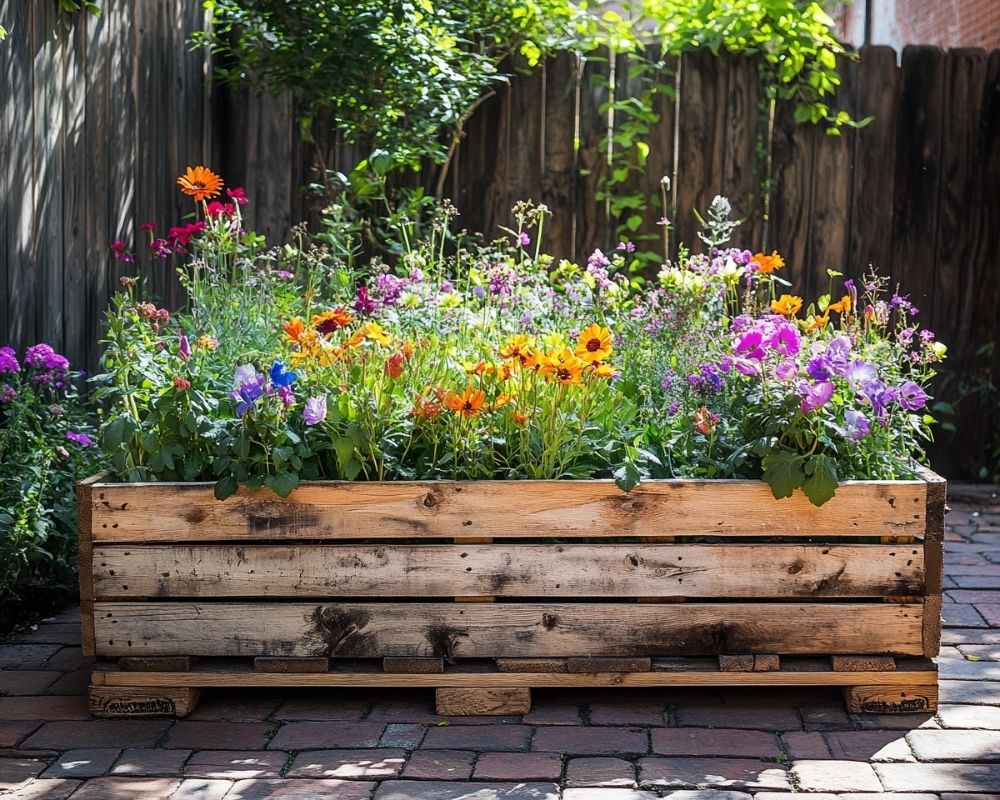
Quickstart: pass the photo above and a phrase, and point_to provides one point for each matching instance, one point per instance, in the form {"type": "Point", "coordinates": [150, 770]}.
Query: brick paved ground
{"type": "Point", "coordinates": [595, 745]}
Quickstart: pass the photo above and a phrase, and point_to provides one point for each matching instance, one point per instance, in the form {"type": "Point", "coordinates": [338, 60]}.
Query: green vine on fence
{"type": "Point", "coordinates": [797, 50]}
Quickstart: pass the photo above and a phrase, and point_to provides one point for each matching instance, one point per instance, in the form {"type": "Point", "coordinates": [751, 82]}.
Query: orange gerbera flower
{"type": "Point", "coordinates": [501, 401]}
{"type": "Point", "coordinates": [563, 367]}
{"type": "Point", "coordinates": [520, 418]}
{"type": "Point", "coordinates": [200, 183]}
{"type": "Point", "coordinates": [479, 368]}
{"type": "Point", "coordinates": [843, 306]}
{"type": "Point", "coordinates": [294, 329]}
{"type": "Point", "coordinates": [332, 320]}
{"type": "Point", "coordinates": [469, 403]}
{"type": "Point", "coordinates": [788, 305]}
{"type": "Point", "coordinates": [594, 343]}
{"type": "Point", "coordinates": [767, 264]}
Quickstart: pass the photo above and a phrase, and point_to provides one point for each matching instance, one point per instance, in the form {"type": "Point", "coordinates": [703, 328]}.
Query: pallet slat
{"type": "Point", "coordinates": [189, 512]}
{"type": "Point", "coordinates": [508, 570]}
{"type": "Point", "coordinates": [512, 679]}
{"type": "Point", "coordinates": [482, 630]}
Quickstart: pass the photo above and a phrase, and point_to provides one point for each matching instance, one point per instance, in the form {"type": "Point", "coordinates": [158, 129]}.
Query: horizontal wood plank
{"type": "Point", "coordinates": [507, 570]}
{"type": "Point", "coordinates": [161, 512]}
{"type": "Point", "coordinates": [487, 630]}
{"type": "Point", "coordinates": [502, 679]}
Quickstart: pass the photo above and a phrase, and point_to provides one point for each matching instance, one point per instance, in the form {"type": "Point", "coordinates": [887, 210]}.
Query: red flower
{"type": "Point", "coordinates": [394, 365]}
{"type": "Point", "coordinates": [237, 194]}
{"type": "Point", "coordinates": [180, 384]}
{"type": "Point", "coordinates": [181, 235]}
{"type": "Point", "coordinates": [215, 208]}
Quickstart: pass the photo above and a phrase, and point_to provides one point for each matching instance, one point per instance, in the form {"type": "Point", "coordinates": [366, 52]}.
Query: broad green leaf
{"type": "Point", "coordinates": [820, 484]}
{"type": "Point", "coordinates": [783, 472]}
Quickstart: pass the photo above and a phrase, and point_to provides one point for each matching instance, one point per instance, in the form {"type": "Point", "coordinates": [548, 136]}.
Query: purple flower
{"type": "Point", "coordinates": [523, 239]}
{"type": "Point", "coordinates": [672, 408]}
{"type": "Point", "coordinates": [787, 370]}
{"type": "Point", "coordinates": [42, 356]}
{"type": "Point", "coordinates": [363, 302]}
{"type": "Point", "coordinates": [284, 274]}
{"type": "Point", "coordinates": [8, 360]}
{"type": "Point", "coordinates": [184, 348]}
{"type": "Point", "coordinates": [315, 410]}
{"type": "Point", "coordinates": [286, 396]}
{"type": "Point", "coordinates": [80, 438]}
{"type": "Point", "coordinates": [8, 394]}
{"type": "Point", "coordinates": [911, 396]}
{"type": "Point", "coordinates": [247, 395]}
{"type": "Point", "coordinates": [245, 373]}
{"type": "Point", "coordinates": [446, 287]}
{"type": "Point", "coordinates": [389, 287]}
{"type": "Point", "coordinates": [815, 395]}
{"type": "Point", "coordinates": [628, 247]}
{"type": "Point", "coordinates": [856, 425]}
{"type": "Point", "coordinates": [479, 292]}
{"type": "Point", "coordinates": [818, 368]}
{"type": "Point", "coordinates": [880, 396]}
{"type": "Point", "coordinates": [668, 380]}
{"type": "Point", "coordinates": [837, 353]}
{"type": "Point", "coordinates": [746, 367]}
{"type": "Point", "coordinates": [859, 372]}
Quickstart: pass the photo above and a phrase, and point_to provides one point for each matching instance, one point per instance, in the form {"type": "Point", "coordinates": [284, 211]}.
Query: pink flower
{"type": "Point", "coordinates": [238, 195]}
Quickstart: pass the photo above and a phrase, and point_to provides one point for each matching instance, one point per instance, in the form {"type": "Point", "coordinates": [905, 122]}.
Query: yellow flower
{"type": "Point", "coordinates": [374, 331]}
{"type": "Point", "coordinates": [787, 305]}
{"type": "Point", "coordinates": [332, 320]}
{"type": "Point", "coordinates": [518, 348]}
{"type": "Point", "coordinates": [563, 366]}
{"type": "Point", "coordinates": [594, 343]}
{"type": "Point", "coordinates": [815, 323]}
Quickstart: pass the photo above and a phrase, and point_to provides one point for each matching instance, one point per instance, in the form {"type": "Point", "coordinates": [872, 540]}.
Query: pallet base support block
{"type": "Point", "coordinates": [123, 702]}
{"type": "Point", "coordinates": [891, 699]}
{"type": "Point", "coordinates": [290, 665]}
{"type": "Point", "coordinates": [500, 701]}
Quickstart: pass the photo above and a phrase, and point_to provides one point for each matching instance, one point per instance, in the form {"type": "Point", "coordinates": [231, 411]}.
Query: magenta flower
{"type": "Point", "coordinates": [8, 360]}
{"type": "Point", "coordinates": [184, 348]}
{"type": "Point", "coordinates": [786, 340]}
{"type": "Point", "coordinates": [523, 239]}
{"type": "Point", "coordinates": [363, 302]}
{"type": "Point", "coordinates": [238, 195]}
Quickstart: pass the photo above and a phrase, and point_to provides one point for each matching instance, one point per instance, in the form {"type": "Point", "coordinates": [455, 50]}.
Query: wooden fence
{"type": "Point", "coordinates": [101, 114]}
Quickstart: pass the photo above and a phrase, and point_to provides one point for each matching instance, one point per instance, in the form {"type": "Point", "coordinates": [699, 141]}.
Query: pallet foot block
{"type": "Point", "coordinates": [891, 699]}
{"type": "Point", "coordinates": [372, 584]}
{"type": "Point", "coordinates": [114, 702]}
{"type": "Point", "coordinates": [499, 702]}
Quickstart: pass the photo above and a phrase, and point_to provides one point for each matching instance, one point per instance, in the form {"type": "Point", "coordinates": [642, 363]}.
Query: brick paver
{"type": "Point", "coordinates": [620, 744]}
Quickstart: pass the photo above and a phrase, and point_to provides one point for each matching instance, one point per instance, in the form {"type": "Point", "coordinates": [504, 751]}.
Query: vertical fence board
{"type": "Point", "coordinates": [97, 113]}
{"type": "Point", "coordinates": [830, 220]}
{"type": "Point", "coordinates": [559, 154]}
{"type": "Point", "coordinates": [877, 96]}
{"type": "Point", "coordinates": [125, 157]}
{"type": "Point", "coordinates": [917, 179]}
{"type": "Point", "coordinates": [791, 196]}
{"type": "Point", "coordinates": [593, 228]}
{"type": "Point", "coordinates": [525, 142]}
{"type": "Point", "coordinates": [701, 145]}
{"type": "Point", "coordinates": [76, 197]}
{"type": "Point", "coordinates": [483, 191]}
{"type": "Point", "coordinates": [47, 100]}
{"type": "Point", "coordinates": [746, 133]}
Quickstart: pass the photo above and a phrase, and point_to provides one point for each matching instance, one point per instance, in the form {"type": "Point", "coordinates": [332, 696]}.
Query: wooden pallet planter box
{"type": "Point", "coordinates": [486, 589]}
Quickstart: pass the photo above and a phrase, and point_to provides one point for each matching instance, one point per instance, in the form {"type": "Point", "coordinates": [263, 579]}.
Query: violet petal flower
{"type": "Point", "coordinates": [815, 395]}
{"type": "Point", "coordinates": [315, 410]}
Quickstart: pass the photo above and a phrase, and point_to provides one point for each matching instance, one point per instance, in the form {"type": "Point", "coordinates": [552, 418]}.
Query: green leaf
{"type": "Point", "coordinates": [225, 486]}
{"type": "Point", "coordinates": [627, 476]}
{"type": "Point", "coordinates": [820, 484]}
{"type": "Point", "coordinates": [783, 472]}
{"type": "Point", "coordinates": [282, 483]}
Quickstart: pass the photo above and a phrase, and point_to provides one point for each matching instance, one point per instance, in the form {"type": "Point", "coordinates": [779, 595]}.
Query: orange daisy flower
{"type": "Point", "coordinates": [815, 323]}
{"type": "Point", "coordinates": [518, 348]}
{"type": "Point", "coordinates": [294, 329]}
{"type": "Point", "coordinates": [594, 343]}
{"type": "Point", "coordinates": [767, 264]}
{"type": "Point", "coordinates": [332, 320]}
{"type": "Point", "coordinates": [469, 403]}
{"type": "Point", "coordinates": [200, 183]}
{"type": "Point", "coordinates": [520, 418]}
{"type": "Point", "coordinates": [787, 305]}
